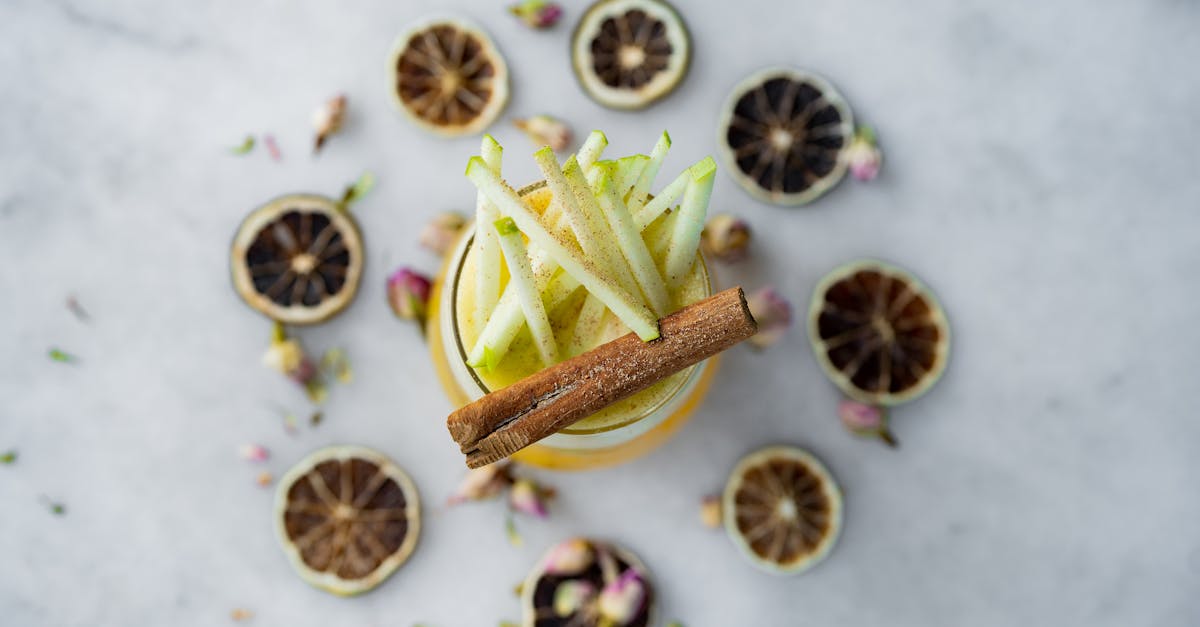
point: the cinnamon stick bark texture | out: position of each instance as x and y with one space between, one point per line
509 419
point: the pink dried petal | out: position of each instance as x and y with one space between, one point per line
571 596
526 497
863 155
537 13
569 557
773 314
254 452
545 130
482 483
408 294
621 600
442 231
866 420
726 238
328 120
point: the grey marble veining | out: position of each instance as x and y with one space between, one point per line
1041 175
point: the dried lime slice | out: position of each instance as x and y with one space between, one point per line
448 77
347 518
879 334
629 53
587 583
783 133
782 509
298 259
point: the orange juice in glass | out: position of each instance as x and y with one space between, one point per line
621 431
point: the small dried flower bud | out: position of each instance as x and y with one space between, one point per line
571 596
254 452
526 497
482 483
622 599
408 294
773 314
710 511
264 479
537 13
570 557
287 356
866 420
726 238
863 155
442 231
546 130
328 120
241 614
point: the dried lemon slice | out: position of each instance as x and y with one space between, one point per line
448 77
298 259
347 517
783 134
588 583
782 509
629 53
879 334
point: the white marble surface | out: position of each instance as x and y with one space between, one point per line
1041 175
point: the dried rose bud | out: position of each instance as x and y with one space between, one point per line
622 599
482 483
546 130
866 420
726 238
254 452
287 356
773 314
442 231
570 557
408 294
863 155
528 498
710 511
328 120
571 596
264 479
537 13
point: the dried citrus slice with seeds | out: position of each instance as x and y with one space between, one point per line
298 259
782 509
347 518
783 133
588 583
448 77
629 53
879 334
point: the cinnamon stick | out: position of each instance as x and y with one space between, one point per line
509 419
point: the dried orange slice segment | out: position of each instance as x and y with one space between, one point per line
879 334
581 582
298 259
783 134
347 517
629 53
782 509
448 77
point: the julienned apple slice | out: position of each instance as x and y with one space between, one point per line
685 238
629 238
487 246
634 314
521 275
